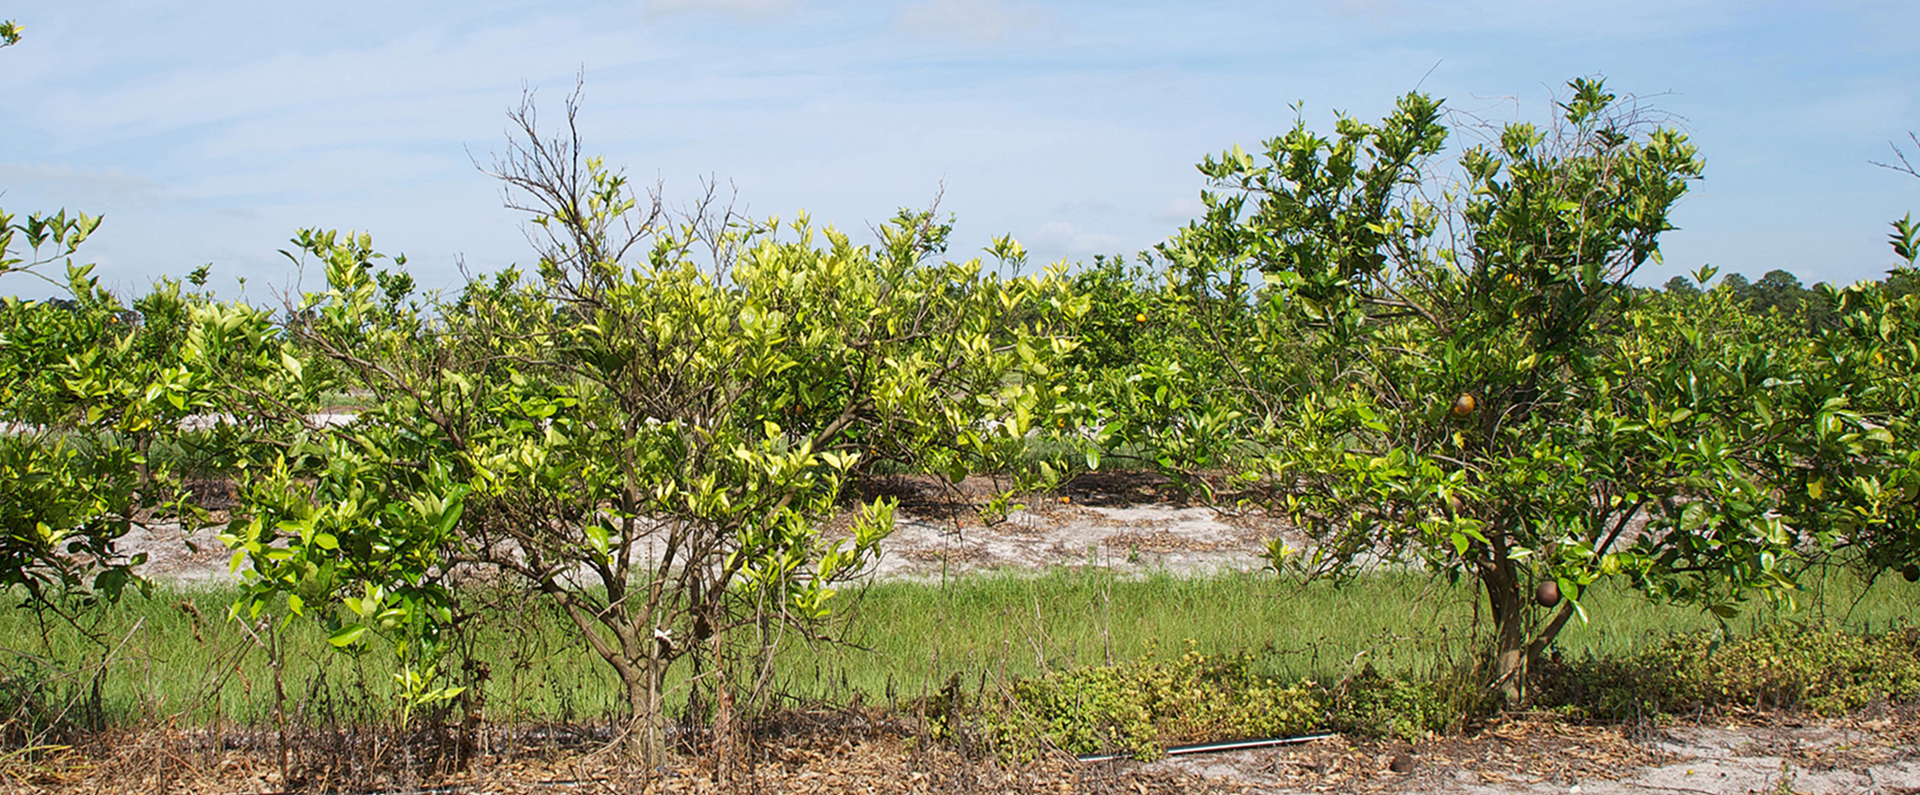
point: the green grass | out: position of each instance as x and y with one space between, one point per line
176 656
912 636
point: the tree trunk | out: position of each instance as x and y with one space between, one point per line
724 749
646 733
641 663
1507 600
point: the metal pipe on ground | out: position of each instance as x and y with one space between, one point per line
1210 748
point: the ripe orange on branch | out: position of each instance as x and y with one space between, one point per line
1463 405
1547 593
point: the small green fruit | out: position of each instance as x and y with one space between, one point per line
1547 593
1911 572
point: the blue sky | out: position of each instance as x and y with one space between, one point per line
208 132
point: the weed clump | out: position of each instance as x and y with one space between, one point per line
1375 705
1791 666
1141 707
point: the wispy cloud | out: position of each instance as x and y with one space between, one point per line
1857 111
83 185
1067 237
1560 18
1181 210
741 8
974 20
333 89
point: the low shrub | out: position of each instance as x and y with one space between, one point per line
1372 704
1140 708
1786 666
41 704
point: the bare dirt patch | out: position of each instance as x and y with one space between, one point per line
1121 521
1875 751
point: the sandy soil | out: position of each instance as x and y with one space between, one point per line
1119 522
1877 751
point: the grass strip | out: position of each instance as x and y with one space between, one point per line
175 656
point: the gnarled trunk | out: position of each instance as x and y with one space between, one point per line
647 734
1516 645
1507 601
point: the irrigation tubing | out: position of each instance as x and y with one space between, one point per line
1214 748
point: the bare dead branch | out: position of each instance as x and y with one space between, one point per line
1905 166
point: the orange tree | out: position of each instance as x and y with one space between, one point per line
1152 384
1853 475
69 485
94 398
1459 376
648 432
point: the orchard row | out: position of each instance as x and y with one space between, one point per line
1431 358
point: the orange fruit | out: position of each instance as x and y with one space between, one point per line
1463 405
1547 593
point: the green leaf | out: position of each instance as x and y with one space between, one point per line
347 635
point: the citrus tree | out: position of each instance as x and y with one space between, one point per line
648 432
103 406
1155 377
95 398
1468 384
1854 475
70 490
1850 476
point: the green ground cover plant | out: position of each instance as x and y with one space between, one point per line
1785 666
1140 707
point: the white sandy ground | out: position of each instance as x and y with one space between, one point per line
1131 539
1820 757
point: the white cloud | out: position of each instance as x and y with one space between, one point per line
82 185
1864 111
1065 236
975 20
338 84
742 8
1579 18
1181 210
